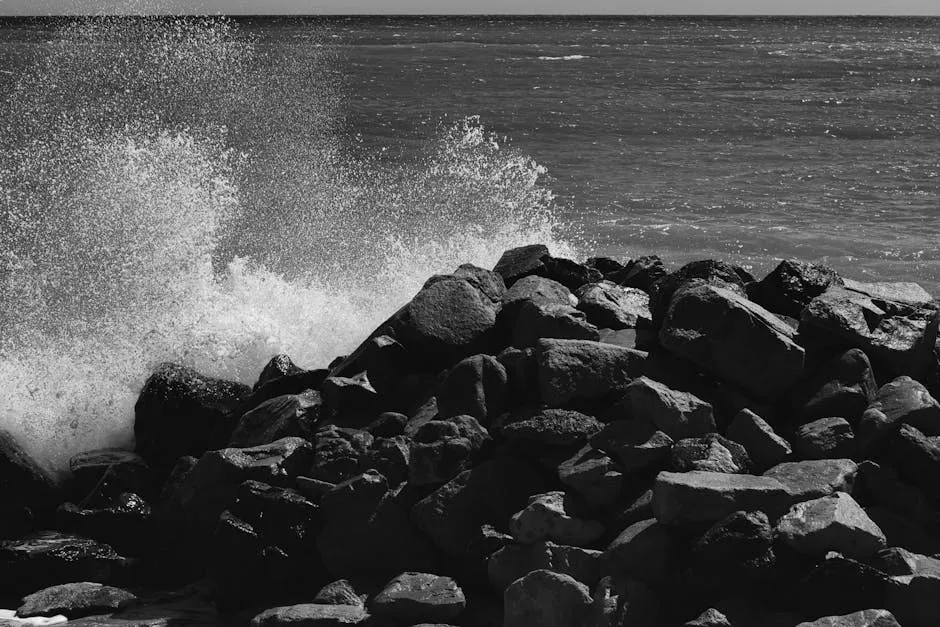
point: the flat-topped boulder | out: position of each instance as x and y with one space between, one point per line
700 497
865 618
812 479
582 371
312 615
48 558
419 597
677 414
906 292
831 523
75 600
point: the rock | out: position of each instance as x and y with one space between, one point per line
604 265
726 335
125 523
593 475
898 292
280 365
22 480
339 592
48 558
517 263
521 376
551 321
384 359
547 599
763 445
312 615
880 485
901 401
609 306
831 523
181 412
831 438
623 602
845 387
707 272
282 516
915 599
554 427
896 561
838 585
291 415
100 476
710 618
389 424
815 478
75 600
642 272
917 459
677 414
865 618
294 383
531 289
419 597
350 401
734 555
898 338
571 274
338 453
546 517
791 286
476 386
437 462
634 444
905 532
645 551
699 497
580 371
517 560
713 453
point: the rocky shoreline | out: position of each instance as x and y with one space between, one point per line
550 443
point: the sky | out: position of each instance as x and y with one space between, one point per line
626 7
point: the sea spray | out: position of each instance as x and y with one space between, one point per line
178 190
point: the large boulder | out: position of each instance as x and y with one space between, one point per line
517 560
592 475
675 413
551 321
792 285
553 427
814 478
181 412
412 598
706 497
520 262
125 522
733 555
290 415
610 306
902 400
547 599
101 475
703 272
642 273
915 599
826 438
844 387
339 453
75 600
865 618
477 386
635 444
645 551
831 523
23 481
917 459
49 558
581 371
726 335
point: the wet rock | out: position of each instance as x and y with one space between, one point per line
901 401
530 290
713 453
23 481
623 602
710 618
610 306
831 523
547 517
48 558
831 438
75 600
350 401
645 551
339 592
125 523
476 386
100 476
419 597
517 263
581 371
312 615
280 365
385 361
917 459
338 453
763 445
733 555
181 412
791 286
634 444
677 414
706 272
517 560
571 274
604 265
908 293
282 516
551 321
593 475
291 415
554 427
814 478
547 599
642 272
699 497
845 387
726 335
865 618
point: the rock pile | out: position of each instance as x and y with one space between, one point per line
547 444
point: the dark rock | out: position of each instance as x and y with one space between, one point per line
700 497
645 551
99 476
48 558
289 384
633 510
312 615
826 438
280 365
623 602
476 386
551 321
642 273
350 401
549 517
763 445
839 585
814 478
710 618
521 375
901 401
242 567
517 560
281 516
581 371
915 599
725 334
635 444
897 561
384 360
339 592
181 412
547 599
604 265
439 461
593 475
713 453
879 485
391 457
419 597
610 306
292 415
126 523
388 425
536 290
917 459
865 618
677 414
74 600
338 453
845 387
571 274
904 532
707 272
791 286
555 427
831 523
22 480
736 554
517 263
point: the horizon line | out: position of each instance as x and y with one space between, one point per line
480 15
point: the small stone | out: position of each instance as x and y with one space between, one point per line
419 597
831 523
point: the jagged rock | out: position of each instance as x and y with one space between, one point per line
838 585
642 272
713 453
312 615
901 401
282 516
571 274
915 599
727 335
763 445
48 558
350 401
677 414
831 523
517 263
291 415
908 293
710 618
623 602
635 444
733 555
22 480
531 289
814 478
554 427
338 453
546 517
389 424
604 265
899 338
280 365
339 592
825 438
706 272
791 286
581 371
865 618
896 561
610 306
75 600
181 412
698 497
879 485
101 475
125 523
419 597
593 475
367 532
537 321
547 599
476 386
391 457
384 360
845 387
517 560
438 461
645 551
917 459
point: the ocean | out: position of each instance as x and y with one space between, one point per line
217 191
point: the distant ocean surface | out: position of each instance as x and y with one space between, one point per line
213 192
